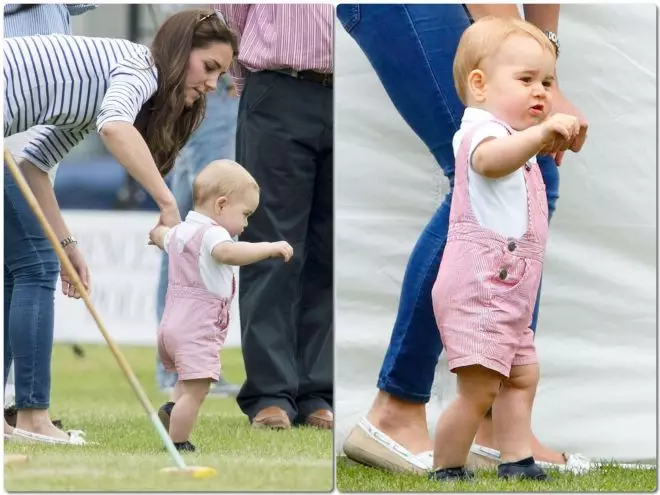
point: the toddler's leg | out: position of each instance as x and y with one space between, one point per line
186 408
177 391
477 389
512 413
512 420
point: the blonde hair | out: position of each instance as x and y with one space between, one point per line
483 39
222 178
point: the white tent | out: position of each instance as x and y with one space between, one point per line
597 332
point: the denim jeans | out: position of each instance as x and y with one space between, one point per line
31 269
215 139
411 48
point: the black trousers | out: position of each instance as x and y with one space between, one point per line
284 139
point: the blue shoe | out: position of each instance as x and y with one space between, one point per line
185 446
164 414
530 472
451 474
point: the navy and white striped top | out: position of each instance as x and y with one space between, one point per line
70 85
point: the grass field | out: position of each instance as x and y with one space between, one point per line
353 477
91 394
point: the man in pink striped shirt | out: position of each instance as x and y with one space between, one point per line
284 138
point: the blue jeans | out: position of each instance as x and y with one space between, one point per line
214 140
31 269
411 48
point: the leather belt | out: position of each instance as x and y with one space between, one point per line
308 75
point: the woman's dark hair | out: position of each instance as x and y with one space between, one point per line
164 121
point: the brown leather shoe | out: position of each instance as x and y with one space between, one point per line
272 417
321 418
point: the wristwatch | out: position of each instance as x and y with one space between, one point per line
552 36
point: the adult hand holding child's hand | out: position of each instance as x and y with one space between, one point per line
556 148
169 215
558 131
152 236
283 249
157 236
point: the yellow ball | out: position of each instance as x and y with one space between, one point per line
204 472
192 471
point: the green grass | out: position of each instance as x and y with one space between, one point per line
353 477
92 394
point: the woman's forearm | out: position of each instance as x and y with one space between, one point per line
127 145
544 16
42 189
479 10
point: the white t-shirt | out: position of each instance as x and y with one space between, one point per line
217 277
498 204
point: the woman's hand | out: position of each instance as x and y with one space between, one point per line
557 148
76 259
169 215
157 236
562 124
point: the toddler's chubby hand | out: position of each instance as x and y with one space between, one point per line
283 249
152 236
567 126
157 234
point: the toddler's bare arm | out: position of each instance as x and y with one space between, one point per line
495 158
499 157
246 253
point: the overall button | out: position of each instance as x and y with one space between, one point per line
511 246
503 274
528 167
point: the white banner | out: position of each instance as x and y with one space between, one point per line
597 336
124 272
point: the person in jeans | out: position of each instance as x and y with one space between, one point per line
215 139
144 118
411 48
30 20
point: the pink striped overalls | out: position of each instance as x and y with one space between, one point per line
194 324
484 295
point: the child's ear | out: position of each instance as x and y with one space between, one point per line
477 84
220 203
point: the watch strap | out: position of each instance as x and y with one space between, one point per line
552 36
